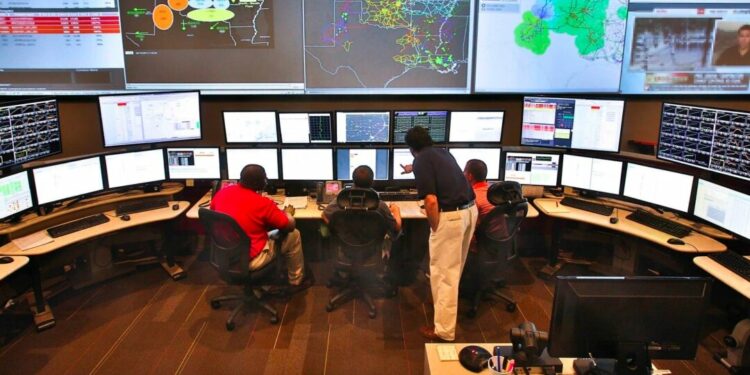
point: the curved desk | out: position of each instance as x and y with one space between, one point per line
725 275
7 269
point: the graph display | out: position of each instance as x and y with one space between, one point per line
28 131
713 139
436 123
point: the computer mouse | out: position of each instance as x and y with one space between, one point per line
474 358
613 220
125 217
175 207
5 260
675 241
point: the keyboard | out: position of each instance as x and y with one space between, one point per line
140 206
587 206
734 262
398 196
296 202
659 223
77 225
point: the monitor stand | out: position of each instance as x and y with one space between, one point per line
152 188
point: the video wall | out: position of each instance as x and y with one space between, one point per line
374 46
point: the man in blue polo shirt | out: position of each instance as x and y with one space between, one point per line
452 215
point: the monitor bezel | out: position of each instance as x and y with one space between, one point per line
224 127
124 187
59 128
349 178
393 125
702 220
225 164
32 193
651 204
337 142
499 161
504 160
166 159
331 115
281 163
619 136
134 145
450 120
102 170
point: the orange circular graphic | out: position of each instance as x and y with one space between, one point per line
178 5
163 17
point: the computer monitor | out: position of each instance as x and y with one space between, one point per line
194 163
582 124
134 168
706 138
401 156
307 164
29 130
436 123
347 159
363 127
150 118
723 207
305 128
532 169
592 174
250 126
238 158
69 179
490 156
658 186
476 126
628 318
15 195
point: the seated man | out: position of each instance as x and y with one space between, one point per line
257 215
476 173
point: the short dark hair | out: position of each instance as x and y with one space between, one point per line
363 176
477 168
253 176
418 138
743 28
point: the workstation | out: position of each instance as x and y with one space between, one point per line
613 192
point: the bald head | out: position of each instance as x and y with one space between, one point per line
253 176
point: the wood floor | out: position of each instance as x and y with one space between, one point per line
145 323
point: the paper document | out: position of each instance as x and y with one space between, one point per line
33 240
296 202
447 352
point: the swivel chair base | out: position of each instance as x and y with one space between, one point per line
351 290
249 298
494 294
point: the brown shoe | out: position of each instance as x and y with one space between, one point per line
428 332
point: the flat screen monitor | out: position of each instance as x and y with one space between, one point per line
658 186
347 159
543 46
70 179
307 164
476 126
401 156
490 156
238 158
305 127
628 318
363 127
250 127
194 163
150 118
592 174
581 124
29 130
15 194
706 138
686 47
532 169
436 123
134 168
724 207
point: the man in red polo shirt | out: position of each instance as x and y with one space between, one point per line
476 173
257 215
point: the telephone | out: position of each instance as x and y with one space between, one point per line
327 191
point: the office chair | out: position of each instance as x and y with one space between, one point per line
496 245
357 230
230 256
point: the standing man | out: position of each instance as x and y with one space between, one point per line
452 215
738 54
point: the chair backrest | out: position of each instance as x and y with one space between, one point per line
358 227
503 222
230 245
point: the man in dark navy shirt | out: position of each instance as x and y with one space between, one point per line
738 54
450 209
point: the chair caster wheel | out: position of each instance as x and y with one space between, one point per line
511 307
372 314
230 326
215 304
472 313
274 319
329 307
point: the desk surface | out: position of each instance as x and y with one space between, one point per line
113 225
8 268
701 243
434 366
726 276
409 209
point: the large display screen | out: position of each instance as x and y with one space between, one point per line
724 207
592 174
648 184
29 130
68 180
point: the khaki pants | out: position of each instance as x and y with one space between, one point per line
291 249
449 246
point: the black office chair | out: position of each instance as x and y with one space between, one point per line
230 256
357 230
496 245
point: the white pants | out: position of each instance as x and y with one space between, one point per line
449 245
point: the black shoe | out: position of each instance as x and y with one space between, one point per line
307 281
